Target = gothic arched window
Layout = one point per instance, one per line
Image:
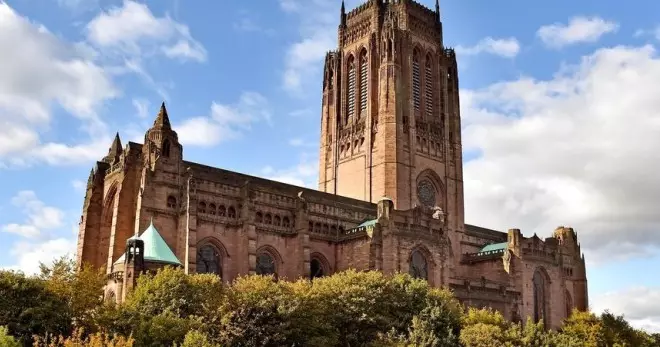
(316, 268)
(350, 97)
(268, 219)
(277, 221)
(415, 80)
(569, 303)
(266, 264)
(231, 212)
(212, 209)
(418, 265)
(209, 260)
(222, 211)
(364, 83)
(539, 295)
(259, 218)
(171, 202)
(285, 222)
(166, 148)
(202, 207)
(428, 86)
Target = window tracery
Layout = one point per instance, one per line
(539, 297)
(316, 269)
(209, 260)
(418, 265)
(231, 213)
(426, 193)
(266, 264)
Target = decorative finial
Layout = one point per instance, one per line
(162, 120)
(115, 149)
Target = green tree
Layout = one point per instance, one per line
(619, 333)
(28, 308)
(7, 340)
(82, 290)
(171, 291)
(582, 329)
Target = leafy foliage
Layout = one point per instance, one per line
(28, 308)
(64, 307)
(7, 340)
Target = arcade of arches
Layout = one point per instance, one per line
(210, 260)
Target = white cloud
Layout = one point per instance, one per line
(298, 142)
(576, 149)
(655, 32)
(578, 29)
(303, 174)
(39, 70)
(78, 185)
(134, 30)
(30, 254)
(318, 34)
(506, 47)
(639, 305)
(141, 107)
(226, 122)
(39, 216)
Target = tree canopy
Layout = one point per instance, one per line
(64, 307)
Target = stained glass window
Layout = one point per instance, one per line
(426, 193)
(208, 260)
(418, 265)
(539, 297)
(265, 264)
(316, 269)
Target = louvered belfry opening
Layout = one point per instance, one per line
(415, 80)
(363, 82)
(351, 89)
(428, 87)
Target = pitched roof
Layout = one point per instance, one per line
(493, 247)
(368, 223)
(162, 120)
(155, 248)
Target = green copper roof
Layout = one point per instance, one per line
(493, 247)
(155, 248)
(368, 223)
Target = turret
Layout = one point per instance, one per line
(133, 264)
(115, 151)
(161, 142)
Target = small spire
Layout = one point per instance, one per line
(115, 148)
(343, 14)
(437, 9)
(162, 120)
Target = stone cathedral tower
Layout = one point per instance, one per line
(390, 114)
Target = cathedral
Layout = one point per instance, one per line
(389, 198)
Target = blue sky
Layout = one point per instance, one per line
(559, 104)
